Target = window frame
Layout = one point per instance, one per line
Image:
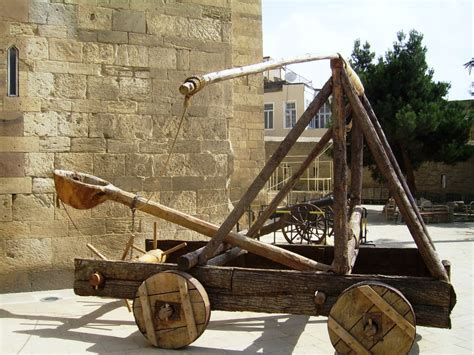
(16, 91)
(265, 116)
(285, 126)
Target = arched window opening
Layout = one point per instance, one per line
(12, 71)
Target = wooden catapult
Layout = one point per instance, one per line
(373, 297)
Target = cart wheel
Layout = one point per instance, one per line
(171, 309)
(305, 223)
(371, 318)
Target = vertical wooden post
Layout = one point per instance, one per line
(341, 258)
(357, 149)
(266, 172)
(422, 240)
(265, 215)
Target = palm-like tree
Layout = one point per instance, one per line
(469, 65)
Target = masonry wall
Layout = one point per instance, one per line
(98, 94)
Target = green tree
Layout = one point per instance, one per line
(419, 123)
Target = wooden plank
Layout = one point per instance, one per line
(147, 314)
(352, 342)
(422, 241)
(265, 174)
(286, 188)
(357, 154)
(187, 309)
(341, 253)
(386, 308)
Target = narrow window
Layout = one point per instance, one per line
(12, 71)
(323, 117)
(268, 116)
(290, 114)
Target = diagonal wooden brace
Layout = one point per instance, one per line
(270, 209)
(266, 172)
(422, 240)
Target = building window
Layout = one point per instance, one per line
(268, 116)
(290, 114)
(12, 71)
(322, 118)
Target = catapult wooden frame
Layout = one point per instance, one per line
(389, 291)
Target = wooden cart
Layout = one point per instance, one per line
(373, 297)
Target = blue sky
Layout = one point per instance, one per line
(325, 26)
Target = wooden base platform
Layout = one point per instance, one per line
(260, 286)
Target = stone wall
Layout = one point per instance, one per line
(98, 94)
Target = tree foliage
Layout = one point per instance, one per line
(419, 123)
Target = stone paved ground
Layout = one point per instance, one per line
(93, 325)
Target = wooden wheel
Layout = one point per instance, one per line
(171, 309)
(372, 318)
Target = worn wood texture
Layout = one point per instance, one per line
(227, 256)
(371, 318)
(357, 154)
(341, 262)
(194, 84)
(91, 191)
(384, 165)
(274, 291)
(354, 236)
(286, 188)
(171, 309)
(262, 178)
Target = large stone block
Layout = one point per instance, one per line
(109, 165)
(121, 146)
(14, 10)
(145, 40)
(94, 18)
(55, 144)
(163, 25)
(163, 58)
(43, 186)
(33, 207)
(5, 208)
(19, 144)
(73, 125)
(82, 162)
(122, 107)
(66, 249)
(88, 106)
(103, 125)
(52, 66)
(65, 50)
(135, 89)
(89, 226)
(93, 145)
(131, 55)
(23, 29)
(176, 165)
(102, 88)
(12, 165)
(129, 21)
(32, 104)
(112, 37)
(39, 164)
(100, 53)
(184, 201)
(70, 86)
(15, 185)
(53, 31)
(36, 48)
(60, 14)
(29, 253)
(48, 229)
(14, 229)
(129, 183)
(41, 123)
(205, 29)
(139, 165)
(40, 84)
(201, 164)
